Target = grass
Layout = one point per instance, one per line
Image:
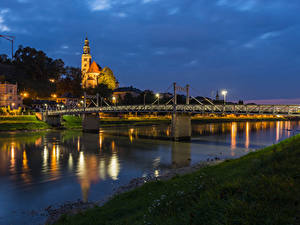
(261, 188)
(72, 122)
(12, 123)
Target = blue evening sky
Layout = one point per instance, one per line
(250, 47)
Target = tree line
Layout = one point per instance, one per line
(41, 76)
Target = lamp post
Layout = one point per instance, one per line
(157, 96)
(224, 93)
(114, 100)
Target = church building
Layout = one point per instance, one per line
(92, 73)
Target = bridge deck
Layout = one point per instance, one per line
(290, 110)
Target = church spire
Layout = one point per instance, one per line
(86, 48)
(86, 56)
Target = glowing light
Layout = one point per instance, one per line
(12, 161)
(157, 95)
(114, 167)
(102, 169)
(25, 94)
(70, 161)
(78, 144)
(52, 80)
(81, 163)
(45, 157)
(156, 173)
(233, 137)
(54, 96)
(25, 161)
(247, 136)
(113, 146)
(100, 140)
(224, 92)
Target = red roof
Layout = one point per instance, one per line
(94, 68)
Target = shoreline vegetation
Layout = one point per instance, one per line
(259, 188)
(31, 123)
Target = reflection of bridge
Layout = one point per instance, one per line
(181, 114)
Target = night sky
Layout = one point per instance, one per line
(249, 47)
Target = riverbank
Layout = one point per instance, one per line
(259, 188)
(28, 122)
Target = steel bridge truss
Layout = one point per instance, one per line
(284, 110)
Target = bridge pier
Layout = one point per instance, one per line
(52, 120)
(181, 129)
(91, 123)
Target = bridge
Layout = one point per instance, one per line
(283, 110)
(181, 113)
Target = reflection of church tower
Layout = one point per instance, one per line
(217, 96)
(86, 57)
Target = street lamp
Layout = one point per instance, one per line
(114, 100)
(157, 96)
(224, 93)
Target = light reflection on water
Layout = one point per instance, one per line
(37, 170)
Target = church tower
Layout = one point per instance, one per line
(86, 57)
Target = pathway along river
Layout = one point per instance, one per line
(50, 168)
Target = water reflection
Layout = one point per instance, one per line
(181, 157)
(89, 163)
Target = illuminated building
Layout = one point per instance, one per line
(92, 74)
(9, 95)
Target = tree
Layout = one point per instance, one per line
(107, 77)
(102, 89)
(4, 59)
(70, 82)
(36, 72)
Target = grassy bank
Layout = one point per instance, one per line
(259, 188)
(72, 122)
(12, 123)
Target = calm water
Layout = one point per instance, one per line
(42, 169)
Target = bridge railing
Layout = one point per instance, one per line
(228, 109)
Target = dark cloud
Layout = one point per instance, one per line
(247, 46)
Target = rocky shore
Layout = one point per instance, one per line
(54, 213)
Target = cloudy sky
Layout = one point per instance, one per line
(249, 47)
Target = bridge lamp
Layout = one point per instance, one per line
(114, 100)
(157, 96)
(224, 93)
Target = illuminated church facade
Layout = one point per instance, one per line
(92, 73)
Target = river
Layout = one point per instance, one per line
(38, 169)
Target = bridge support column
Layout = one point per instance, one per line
(91, 123)
(181, 129)
(52, 120)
